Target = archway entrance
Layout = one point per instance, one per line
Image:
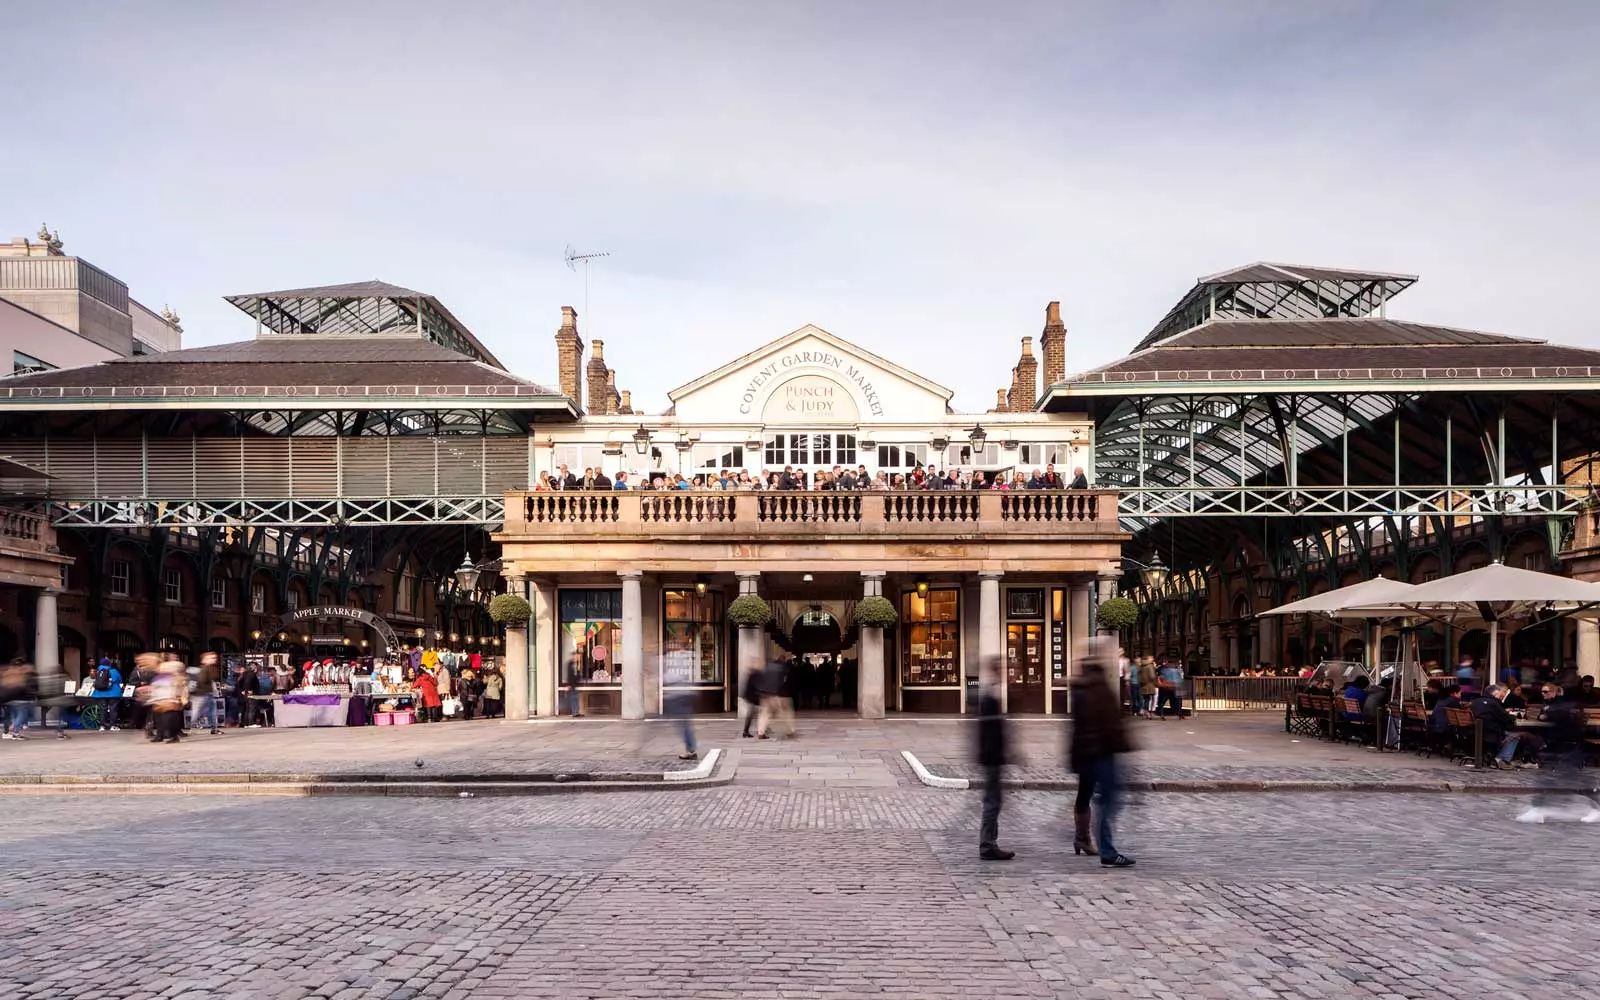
(824, 649)
(387, 640)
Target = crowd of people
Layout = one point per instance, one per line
(792, 478)
(1153, 687)
(170, 699)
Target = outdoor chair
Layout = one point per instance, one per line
(1358, 729)
(1322, 706)
(1464, 735)
(1303, 718)
(1414, 728)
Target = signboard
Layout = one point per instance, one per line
(810, 399)
(387, 642)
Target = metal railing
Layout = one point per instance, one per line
(1347, 501)
(1241, 693)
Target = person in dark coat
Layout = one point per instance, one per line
(1560, 770)
(1098, 737)
(991, 757)
(751, 694)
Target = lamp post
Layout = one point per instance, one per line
(1154, 574)
(641, 439)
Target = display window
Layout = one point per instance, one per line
(591, 636)
(691, 645)
(931, 638)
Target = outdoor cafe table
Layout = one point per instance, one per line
(303, 710)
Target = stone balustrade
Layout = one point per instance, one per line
(798, 514)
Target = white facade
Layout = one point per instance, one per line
(813, 401)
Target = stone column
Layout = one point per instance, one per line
(1077, 626)
(1269, 640)
(752, 646)
(632, 645)
(990, 646)
(517, 664)
(1105, 590)
(545, 642)
(869, 671)
(47, 637)
(1233, 652)
(1214, 646)
(1589, 648)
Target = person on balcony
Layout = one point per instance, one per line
(621, 482)
(1050, 479)
(1079, 480)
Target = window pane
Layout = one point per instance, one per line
(798, 452)
(822, 448)
(774, 450)
(847, 449)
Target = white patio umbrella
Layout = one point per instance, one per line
(1375, 598)
(1496, 593)
(1370, 599)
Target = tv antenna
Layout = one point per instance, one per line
(573, 258)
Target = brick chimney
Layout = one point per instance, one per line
(569, 357)
(626, 406)
(596, 369)
(1025, 380)
(1001, 404)
(1053, 344)
(612, 399)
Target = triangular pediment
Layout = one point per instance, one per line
(811, 362)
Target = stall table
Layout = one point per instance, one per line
(303, 710)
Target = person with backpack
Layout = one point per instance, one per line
(106, 690)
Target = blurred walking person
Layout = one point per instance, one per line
(167, 696)
(991, 757)
(1564, 792)
(751, 696)
(203, 694)
(681, 704)
(16, 697)
(776, 709)
(1098, 738)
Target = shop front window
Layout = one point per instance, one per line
(591, 636)
(931, 647)
(691, 651)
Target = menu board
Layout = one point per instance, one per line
(1058, 636)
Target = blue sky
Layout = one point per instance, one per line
(920, 178)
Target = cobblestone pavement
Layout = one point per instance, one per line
(834, 750)
(791, 892)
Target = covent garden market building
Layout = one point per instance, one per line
(1275, 435)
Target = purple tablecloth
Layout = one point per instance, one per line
(311, 699)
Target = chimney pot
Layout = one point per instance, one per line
(1027, 346)
(1053, 345)
(569, 356)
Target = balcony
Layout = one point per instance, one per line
(28, 553)
(940, 514)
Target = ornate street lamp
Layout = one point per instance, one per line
(977, 435)
(1154, 573)
(466, 574)
(641, 439)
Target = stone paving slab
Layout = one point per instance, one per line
(1238, 750)
(789, 893)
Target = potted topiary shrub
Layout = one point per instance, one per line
(749, 611)
(510, 610)
(875, 612)
(1116, 614)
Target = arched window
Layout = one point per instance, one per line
(405, 595)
